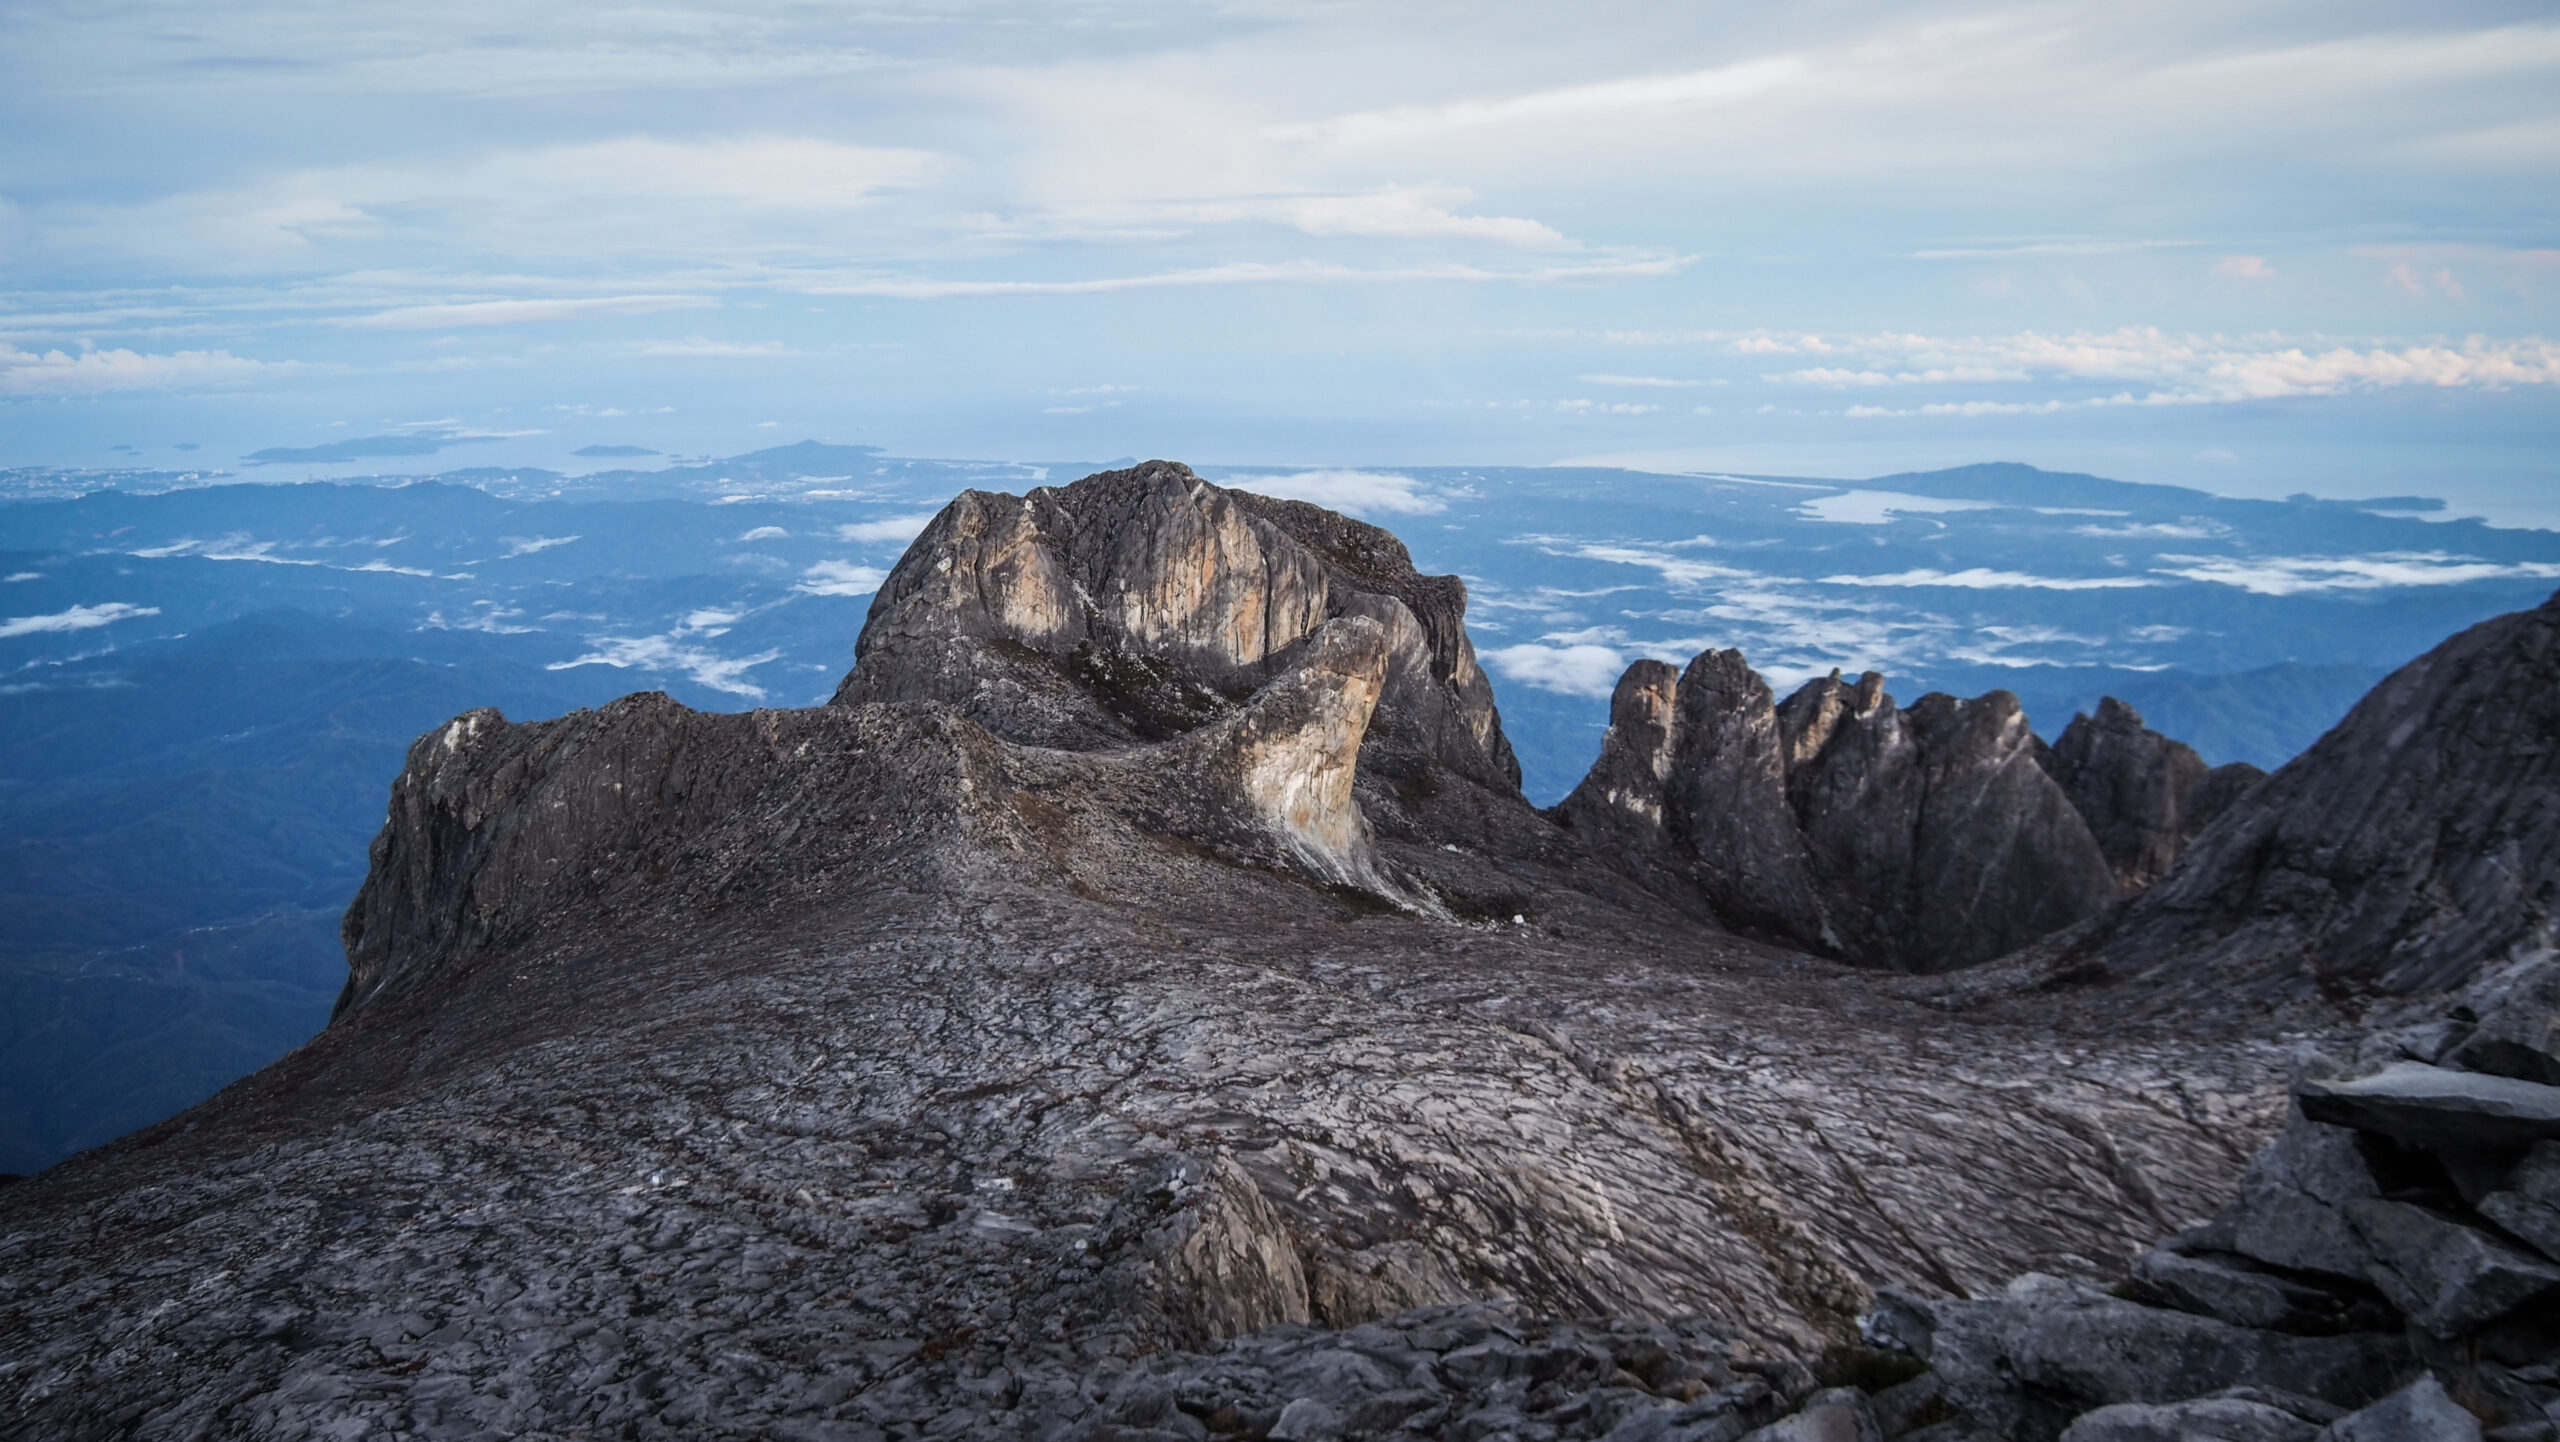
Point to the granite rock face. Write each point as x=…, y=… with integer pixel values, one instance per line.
x=1916, y=839
x=1135, y=605
x=2416, y=842
x=2144, y=795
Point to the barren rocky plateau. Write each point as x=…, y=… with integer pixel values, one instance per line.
x=1143, y=1005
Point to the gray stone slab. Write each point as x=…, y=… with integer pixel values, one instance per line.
x=2206, y=1419
x=2433, y=1106
x=2419, y=1412
x=2449, y=1278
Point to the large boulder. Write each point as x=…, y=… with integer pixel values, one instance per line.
x=2439, y=1107
x=2518, y=1033
x=2023, y=1365
x=2528, y=1205
x=2228, y=1287
x=2420, y=1412
x=2206, y=1419
x=2291, y=1209
x=2449, y=1278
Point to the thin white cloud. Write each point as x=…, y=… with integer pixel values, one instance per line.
x=1983, y=578
x=2292, y=575
x=671, y=653
x=2180, y=369
x=1675, y=570
x=521, y=312
x=1663, y=382
x=841, y=578
x=1876, y=508
x=635, y=193
x=237, y=546
x=1395, y=213
x=1689, y=91
x=492, y=618
x=2060, y=248
x=527, y=545
x=1576, y=670
x=1358, y=493
x=888, y=528
x=78, y=618
x=699, y=348
x=1302, y=272
x=60, y=372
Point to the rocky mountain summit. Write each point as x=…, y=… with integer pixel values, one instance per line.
x=1917, y=839
x=1142, y=1005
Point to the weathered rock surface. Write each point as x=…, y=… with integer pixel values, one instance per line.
x=1143, y=1006
x=1090, y=996
x=2415, y=843
x=2528, y=1204
x=2420, y=1412
x=2025, y=1364
x=1914, y=839
x=1147, y=601
x=2450, y=1279
x=2433, y=1106
x=2144, y=795
x=2291, y=1208
x=2207, y=1419
x=1693, y=765
x=2353, y=1228
x=2229, y=1288
x=2518, y=1031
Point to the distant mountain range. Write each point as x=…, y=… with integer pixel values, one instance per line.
x=206, y=686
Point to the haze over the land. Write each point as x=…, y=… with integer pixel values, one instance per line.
x=2255, y=248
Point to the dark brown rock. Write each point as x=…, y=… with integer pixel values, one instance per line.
x=1917, y=840
x=2144, y=795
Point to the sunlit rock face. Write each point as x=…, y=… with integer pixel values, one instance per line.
x=1915, y=839
x=1139, y=604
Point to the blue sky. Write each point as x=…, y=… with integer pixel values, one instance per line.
x=2258, y=248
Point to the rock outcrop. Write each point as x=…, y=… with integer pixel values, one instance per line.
x=1138, y=605
x=2415, y=842
x=2144, y=795
x=1917, y=839
x=2392, y=1228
